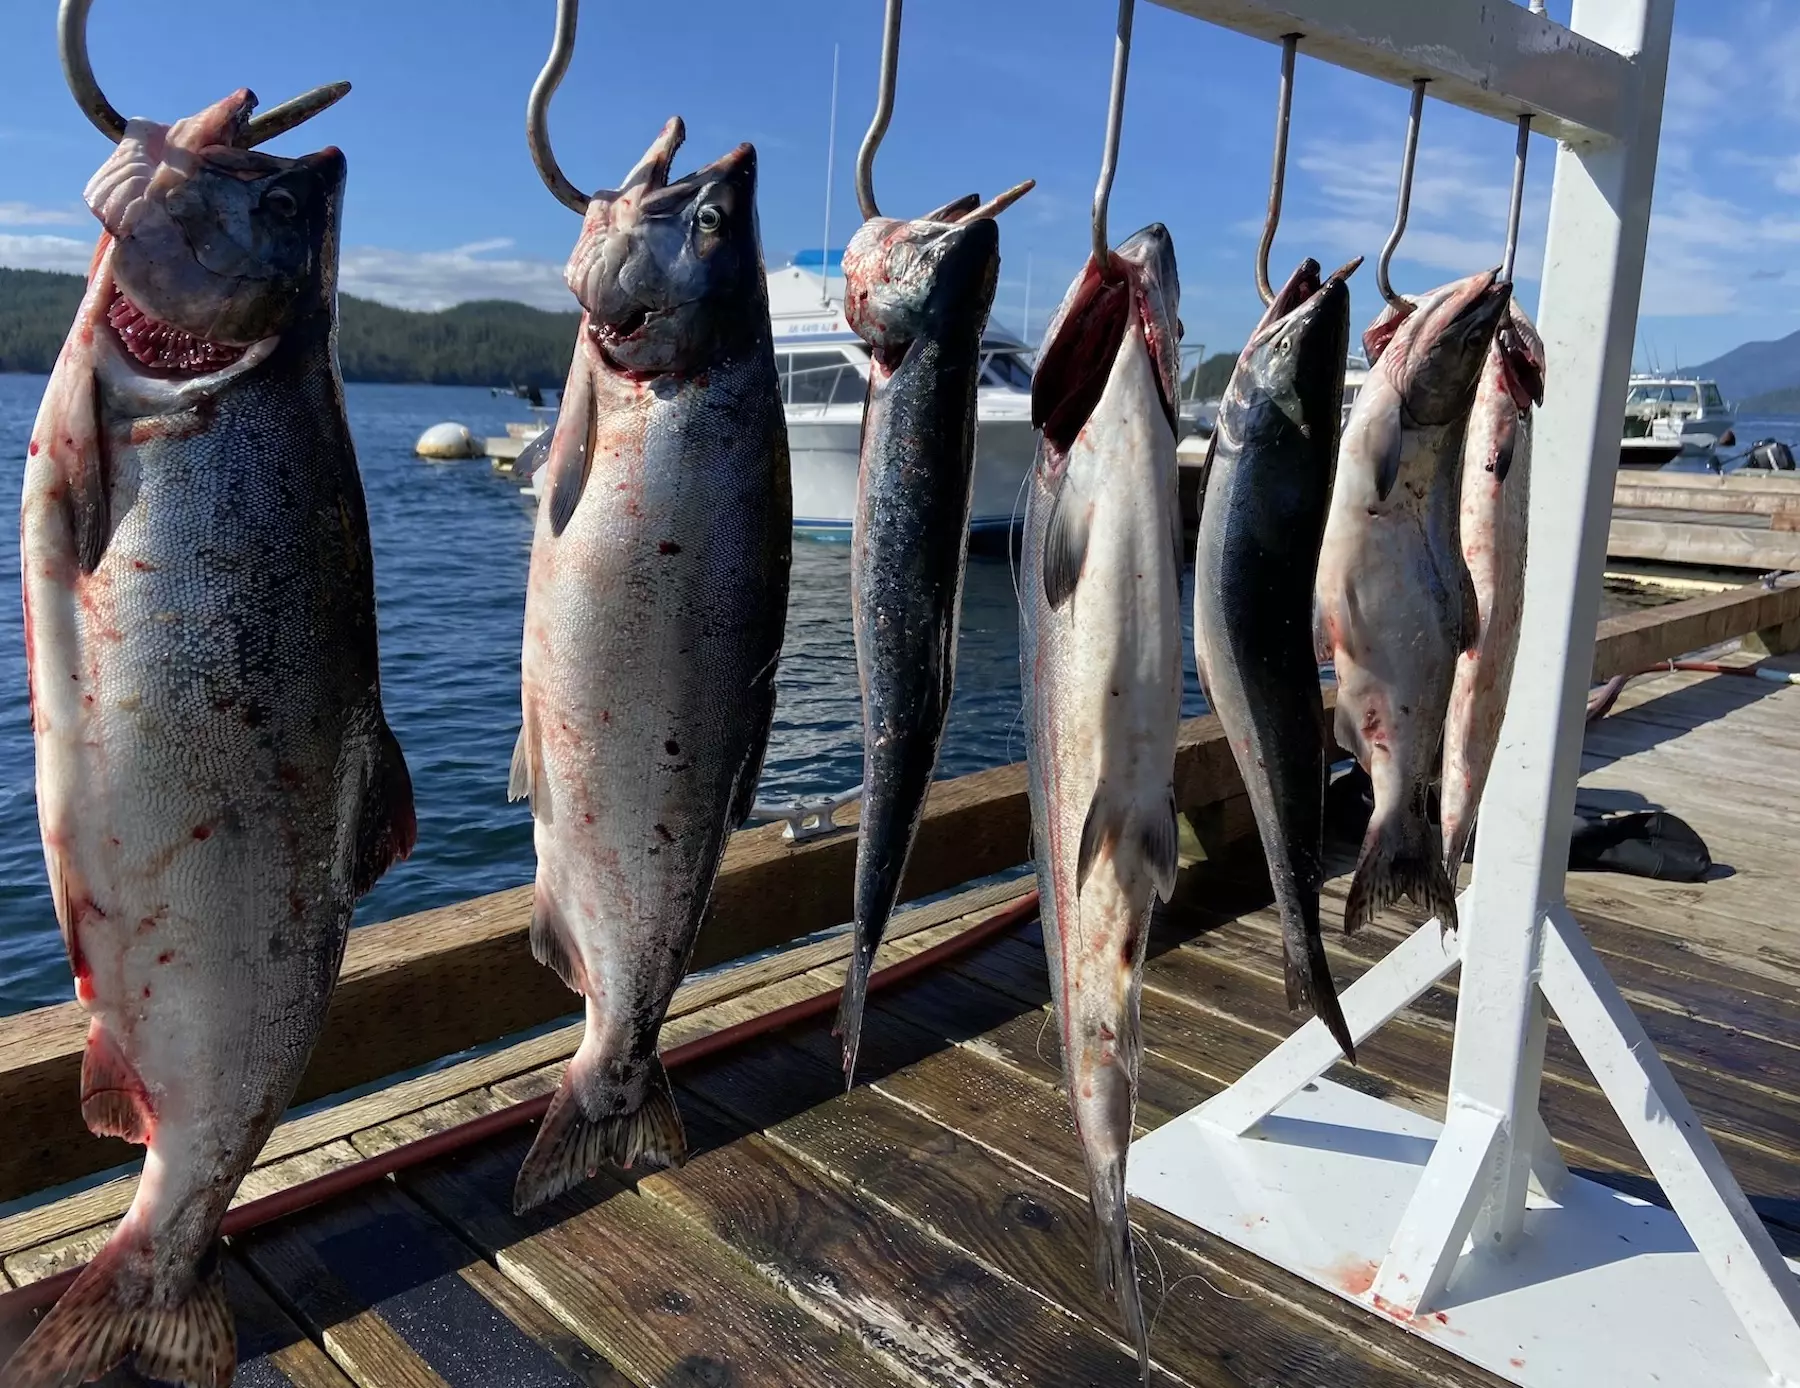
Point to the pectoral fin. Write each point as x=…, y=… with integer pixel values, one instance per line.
x=1065, y=542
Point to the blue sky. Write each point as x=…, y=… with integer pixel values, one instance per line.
x=444, y=205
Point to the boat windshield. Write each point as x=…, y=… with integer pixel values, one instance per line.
x=1006, y=370
x=819, y=378
x=1664, y=393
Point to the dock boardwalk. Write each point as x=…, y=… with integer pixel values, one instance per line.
x=930, y=1227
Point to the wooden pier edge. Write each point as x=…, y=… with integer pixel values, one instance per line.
x=425, y=986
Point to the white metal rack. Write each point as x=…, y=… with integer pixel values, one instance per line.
x=1472, y=1233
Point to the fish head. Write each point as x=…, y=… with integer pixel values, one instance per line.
x=670, y=272
x=212, y=240
x=906, y=280
x=1519, y=356
x=1436, y=354
x=1296, y=355
x=1140, y=288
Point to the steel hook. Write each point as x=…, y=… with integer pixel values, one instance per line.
x=537, y=109
x=1400, y=210
x=1518, y=200
x=78, y=72
x=1284, y=106
x=884, y=112
x=1115, y=121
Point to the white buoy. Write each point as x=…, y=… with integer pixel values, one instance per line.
x=448, y=441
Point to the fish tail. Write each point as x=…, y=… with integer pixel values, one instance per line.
x=1309, y=980
x=1115, y=1259
x=1402, y=855
x=848, y=1026
x=877, y=890
x=570, y=1146
x=1456, y=843
x=105, y=1317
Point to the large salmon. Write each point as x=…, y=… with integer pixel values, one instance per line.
x=653, y=623
x=1100, y=657
x=1395, y=603
x=1268, y=486
x=216, y=782
x=918, y=292
x=1496, y=500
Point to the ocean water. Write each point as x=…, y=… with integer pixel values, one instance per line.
x=452, y=543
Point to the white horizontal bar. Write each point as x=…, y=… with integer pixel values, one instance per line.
x=1491, y=56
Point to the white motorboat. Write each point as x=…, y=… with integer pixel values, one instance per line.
x=824, y=369
x=1670, y=417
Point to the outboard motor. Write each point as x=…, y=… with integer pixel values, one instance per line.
x=1771, y=455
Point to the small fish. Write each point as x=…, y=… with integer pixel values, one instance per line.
x=918, y=293
x=216, y=781
x=1268, y=487
x=1496, y=500
x=653, y=624
x=1395, y=602
x=1100, y=661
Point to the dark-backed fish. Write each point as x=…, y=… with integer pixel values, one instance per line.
x=653, y=623
x=1100, y=660
x=1395, y=603
x=918, y=292
x=216, y=782
x=1262, y=521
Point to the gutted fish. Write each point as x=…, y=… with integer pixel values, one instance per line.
x=1268, y=487
x=918, y=293
x=1396, y=606
x=1496, y=499
x=1100, y=661
x=653, y=623
x=216, y=783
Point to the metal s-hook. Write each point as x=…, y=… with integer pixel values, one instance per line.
x=78, y=72
x=1405, y=203
x=1115, y=122
x=1284, y=107
x=884, y=112
x=537, y=109
x=1518, y=201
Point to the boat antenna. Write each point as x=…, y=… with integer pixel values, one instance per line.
x=78, y=71
x=537, y=109
x=1405, y=202
x=1025, y=317
x=830, y=163
x=884, y=112
x=1284, y=106
x=1115, y=120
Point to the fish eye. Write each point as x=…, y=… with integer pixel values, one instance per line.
x=709, y=218
x=281, y=202
x=1285, y=345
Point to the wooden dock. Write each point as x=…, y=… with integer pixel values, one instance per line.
x=930, y=1227
x=1741, y=521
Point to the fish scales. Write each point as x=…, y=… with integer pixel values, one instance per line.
x=1262, y=521
x=1496, y=503
x=653, y=626
x=919, y=293
x=1395, y=602
x=1100, y=658
x=216, y=780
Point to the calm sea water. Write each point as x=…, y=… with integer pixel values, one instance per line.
x=452, y=542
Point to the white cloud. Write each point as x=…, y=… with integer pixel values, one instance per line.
x=437, y=279
x=25, y=214
x=45, y=253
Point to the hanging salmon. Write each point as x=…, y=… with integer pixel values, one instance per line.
x=216, y=782
x=1100, y=660
x=653, y=624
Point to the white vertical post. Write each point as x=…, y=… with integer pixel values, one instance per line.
x=1593, y=272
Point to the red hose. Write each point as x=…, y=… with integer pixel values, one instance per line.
x=254, y=1213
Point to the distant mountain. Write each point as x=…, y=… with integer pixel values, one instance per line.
x=1754, y=369
x=1773, y=402
x=491, y=342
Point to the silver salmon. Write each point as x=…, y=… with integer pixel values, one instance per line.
x=1262, y=520
x=1496, y=500
x=1395, y=602
x=918, y=292
x=653, y=624
x=1100, y=660
x=216, y=782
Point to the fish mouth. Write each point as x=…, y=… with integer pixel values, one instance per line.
x=162, y=349
x=626, y=328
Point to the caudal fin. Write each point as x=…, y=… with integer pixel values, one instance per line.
x=103, y=1318
x=570, y=1146
x=848, y=1026
x=1402, y=855
x=1115, y=1260
x=1309, y=980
